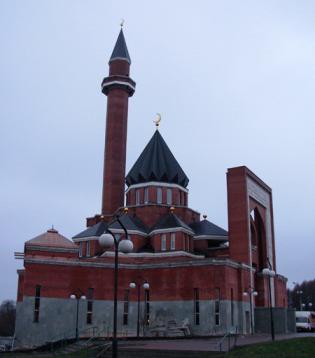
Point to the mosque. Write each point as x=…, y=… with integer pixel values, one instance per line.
x=185, y=275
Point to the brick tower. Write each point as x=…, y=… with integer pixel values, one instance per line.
x=118, y=87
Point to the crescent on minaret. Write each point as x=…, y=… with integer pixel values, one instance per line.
x=158, y=119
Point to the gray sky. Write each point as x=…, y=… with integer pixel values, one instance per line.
x=233, y=80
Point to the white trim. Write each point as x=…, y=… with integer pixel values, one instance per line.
x=171, y=229
x=155, y=254
x=210, y=237
x=107, y=84
x=156, y=183
x=89, y=263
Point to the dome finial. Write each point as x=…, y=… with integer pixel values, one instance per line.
x=157, y=120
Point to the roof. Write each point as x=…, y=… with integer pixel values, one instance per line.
x=207, y=228
x=157, y=163
x=132, y=223
x=170, y=221
x=120, y=51
x=95, y=230
x=51, y=238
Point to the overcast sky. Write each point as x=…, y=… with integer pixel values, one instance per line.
x=233, y=80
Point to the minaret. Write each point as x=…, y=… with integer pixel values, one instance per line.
x=118, y=87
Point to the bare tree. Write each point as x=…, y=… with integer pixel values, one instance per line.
x=7, y=318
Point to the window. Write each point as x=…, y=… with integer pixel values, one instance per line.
x=146, y=195
x=232, y=307
x=196, y=307
x=173, y=238
x=217, y=307
x=81, y=249
x=184, y=242
x=89, y=312
x=126, y=308
x=88, y=250
x=182, y=198
x=147, y=307
x=37, y=303
x=138, y=197
x=159, y=195
x=169, y=196
x=163, y=242
x=187, y=243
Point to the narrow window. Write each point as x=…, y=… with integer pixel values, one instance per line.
x=89, y=312
x=147, y=307
x=159, y=195
x=232, y=307
x=182, y=198
x=169, y=196
x=173, y=238
x=184, y=242
x=187, y=244
x=138, y=198
x=196, y=307
x=163, y=242
x=217, y=307
x=81, y=249
x=126, y=308
x=146, y=195
x=37, y=303
x=88, y=249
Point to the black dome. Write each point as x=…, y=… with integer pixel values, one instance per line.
x=157, y=163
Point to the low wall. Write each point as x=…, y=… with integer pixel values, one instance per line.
x=283, y=318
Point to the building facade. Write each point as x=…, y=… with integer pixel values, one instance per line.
x=199, y=275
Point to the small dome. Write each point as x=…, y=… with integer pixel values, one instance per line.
x=51, y=238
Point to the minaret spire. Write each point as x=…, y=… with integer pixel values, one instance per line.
x=118, y=87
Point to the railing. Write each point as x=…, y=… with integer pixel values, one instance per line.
x=228, y=336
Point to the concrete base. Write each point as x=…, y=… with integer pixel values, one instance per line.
x=57, y=319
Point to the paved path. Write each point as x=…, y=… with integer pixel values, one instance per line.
x=207, y=344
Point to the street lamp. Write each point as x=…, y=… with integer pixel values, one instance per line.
x=251, y=292
x=145, y=286
x=270, y=273
x=300, y=299
x=77, y=296
x=108, y=240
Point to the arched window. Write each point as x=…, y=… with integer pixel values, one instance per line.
x=159, y=195
x=146, y=195
x=173, y=241
x=138, y=198
x=169, y=197
x=163, y=242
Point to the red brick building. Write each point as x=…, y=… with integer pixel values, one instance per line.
x=197, y=272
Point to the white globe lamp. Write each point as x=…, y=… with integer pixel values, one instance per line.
x=106, y=241
x=125, y=246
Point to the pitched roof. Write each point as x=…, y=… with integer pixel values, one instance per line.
x=51, y=238
x=95, y=230
x=170, y=221
x=132, y=223
x=120, y=51
x=207, y=228
x=157, y=163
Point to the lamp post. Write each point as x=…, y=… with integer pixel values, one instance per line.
x=108, y=240
x=146, y=286
x=300, y=293
x=251, y=292
x=77, y=296
x=270, y=273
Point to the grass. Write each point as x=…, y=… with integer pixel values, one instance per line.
x=292, y=348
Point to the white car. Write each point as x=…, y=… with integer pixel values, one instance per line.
x=305, y=321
